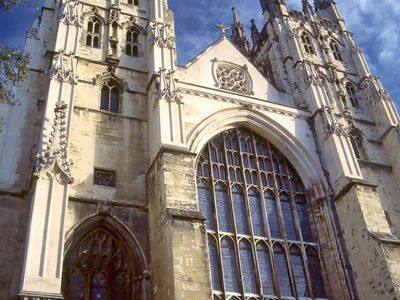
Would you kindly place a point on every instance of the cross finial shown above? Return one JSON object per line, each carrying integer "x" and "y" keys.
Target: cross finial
{"x": 223, "y": 28}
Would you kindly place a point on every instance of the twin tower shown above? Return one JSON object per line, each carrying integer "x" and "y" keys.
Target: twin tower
{"x": 265, "y": 168}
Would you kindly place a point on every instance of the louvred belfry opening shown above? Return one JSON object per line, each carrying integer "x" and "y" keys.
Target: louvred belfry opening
{"x": 260, "y": 240}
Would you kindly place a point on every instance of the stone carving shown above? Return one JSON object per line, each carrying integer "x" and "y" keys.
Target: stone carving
{"x": 54, "y": 155}
{"x": 71, "y": 13}
{"x": 114, "y": 14}
{"x": 294, "y": 32}
{"x": 331, "y": 123}
{"x": 310, "y": 74}
{"x": 104, "y": 208}
{"x": 63, "y": 68}
{"x": 373, "y": 86}
{"x": 232, "y": 77}
{"x": 166, "y": 88}
{"x": 160, "y": 35}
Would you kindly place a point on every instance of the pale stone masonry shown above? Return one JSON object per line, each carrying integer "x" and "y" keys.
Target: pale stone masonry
{"x": 103, "y": 157}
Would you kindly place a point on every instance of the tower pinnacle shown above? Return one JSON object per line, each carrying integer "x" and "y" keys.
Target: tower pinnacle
{"x": 323, "y": 4}
{"x": 238, "y": 36}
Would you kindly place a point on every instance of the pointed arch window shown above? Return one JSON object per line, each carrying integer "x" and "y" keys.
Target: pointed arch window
{"x": 357, "y": 143}
{"x": 251, "y": 223}
{"x": 308, "y": 47}
{"x": 351, "y": 94}
{"x": 335, "y": 50}
{"x": 97, "y": 269}
{"x": 325, "y": 89}
{"x": 131, "y": 42}
{"x": 93, "y": 32}
{"x": 110, "y": 97}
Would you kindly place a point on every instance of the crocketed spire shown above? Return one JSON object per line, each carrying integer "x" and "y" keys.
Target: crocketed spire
{"x": 238, "y": 36}
{"x": 255, "y": 33}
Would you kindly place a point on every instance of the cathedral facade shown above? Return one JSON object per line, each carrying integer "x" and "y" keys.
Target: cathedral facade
{"x": 268, "y": 167}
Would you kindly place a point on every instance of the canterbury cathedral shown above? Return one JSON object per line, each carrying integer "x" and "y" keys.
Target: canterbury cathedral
{"x": 267, "y": 167}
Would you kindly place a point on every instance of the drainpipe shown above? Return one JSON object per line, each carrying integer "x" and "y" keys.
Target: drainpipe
{"x": 332, "y": 206}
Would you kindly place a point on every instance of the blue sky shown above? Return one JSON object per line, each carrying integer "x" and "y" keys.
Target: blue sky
{"x": 375, "y": 23}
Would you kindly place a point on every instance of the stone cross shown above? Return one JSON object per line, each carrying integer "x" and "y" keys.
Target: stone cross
{"x": 223, "y": 28}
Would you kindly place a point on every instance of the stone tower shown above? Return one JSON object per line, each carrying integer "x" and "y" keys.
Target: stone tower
{"x": 259, "y": 170}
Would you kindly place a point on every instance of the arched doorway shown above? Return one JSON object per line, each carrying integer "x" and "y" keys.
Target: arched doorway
{"x": 101, "y": 264}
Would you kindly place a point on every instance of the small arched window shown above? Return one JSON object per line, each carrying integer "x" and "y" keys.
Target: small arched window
{"x": 134, "y": 2}
{"x": 351, "y": 93}
{"x": 258, "y": 230}
{"x": 335, "y": 50}
{"x": 357, "y": 143}
{"x": 325, "y": 89}
{"x": 93, "y": 32}
{"x": 308, "y": 47}
{"x": 131, "y": 43}
{"x": 110, "y": 97}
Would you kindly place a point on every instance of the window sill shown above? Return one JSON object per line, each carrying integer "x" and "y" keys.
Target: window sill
{"x": 106, "y": 187}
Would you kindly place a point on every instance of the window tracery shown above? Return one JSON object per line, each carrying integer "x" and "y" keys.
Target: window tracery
{"x": 131, "y": 42}
{"x": 97, "y": 269}
{"x": 308, "y": 47}
{"x": 233, "y": 78}
{"x": 357, "y": 143}
{"x": 259, "y": 236}
{"x": 110, "y": 97}
{"x": 335, "y": 50}
{"x": 93, "y": 32}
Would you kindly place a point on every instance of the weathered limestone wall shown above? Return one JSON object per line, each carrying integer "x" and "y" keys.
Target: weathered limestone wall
{"x": 177, "y": 232}
{"x": 14, "y": 217}
{"x": 361, "y": 216}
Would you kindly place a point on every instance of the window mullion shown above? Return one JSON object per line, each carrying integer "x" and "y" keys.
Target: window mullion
{"x": 282, "y": 225}
{"x": 215, "y": 213}
{"x": 236, "y": 242}
{"x": 249, "y": 219}
{"x": 299, "y": 232}
{"x": 264, "y": 214}
{"x": 278, "y": 200}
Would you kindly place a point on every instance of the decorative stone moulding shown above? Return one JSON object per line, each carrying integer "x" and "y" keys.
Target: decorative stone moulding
{"x": 232, "y": 77}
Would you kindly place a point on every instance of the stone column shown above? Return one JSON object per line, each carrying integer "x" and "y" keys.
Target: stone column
{"x": 42, "y": 274}
{"x": 177, "y": 230}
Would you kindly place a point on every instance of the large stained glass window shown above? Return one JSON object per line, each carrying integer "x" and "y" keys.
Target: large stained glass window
{"x": 259, "y": 235}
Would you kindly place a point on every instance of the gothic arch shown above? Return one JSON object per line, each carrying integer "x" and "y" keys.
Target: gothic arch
{"x": 131, "y": 250}
{"x": 103, "y": 78}
{"x": 267, "y": 128}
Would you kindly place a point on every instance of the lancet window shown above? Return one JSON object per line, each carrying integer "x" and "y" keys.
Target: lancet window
{"x": 97, "y": 269}
{"x": 308, "y": 47}
{"x": 93, "y": 32}
{"x": 131, "y": 42}
{"x": 357, "y": 142}
{"x": 260, "y": 240}
{"x": 351, "y": 93}
{"x": 110, "y": 97}
{"x": 335, "y": 50}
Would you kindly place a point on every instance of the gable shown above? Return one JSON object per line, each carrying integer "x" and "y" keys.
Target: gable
{"x": 224, "y": 68}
